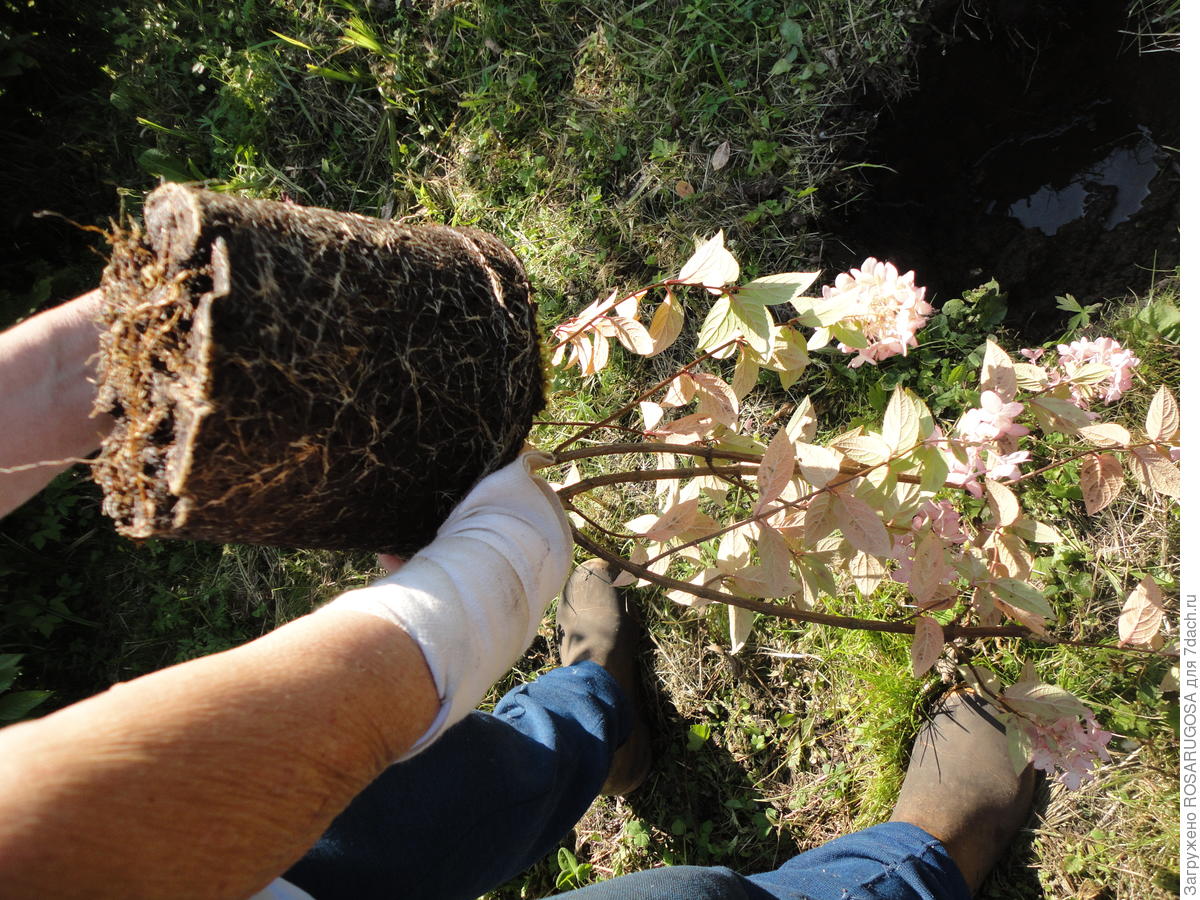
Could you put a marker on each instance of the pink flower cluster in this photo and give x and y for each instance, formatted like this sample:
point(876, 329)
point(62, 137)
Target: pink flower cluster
point(1072, 744)
point(982, 432)
point(944, 521)
point(890, 309)
point(1073, 356)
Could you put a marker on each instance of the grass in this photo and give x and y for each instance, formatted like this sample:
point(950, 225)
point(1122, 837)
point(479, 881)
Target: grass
point(575, 132)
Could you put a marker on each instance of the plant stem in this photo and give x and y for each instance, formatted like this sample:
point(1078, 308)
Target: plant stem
point(567, 492)
point(640, 397)
point(791, 612)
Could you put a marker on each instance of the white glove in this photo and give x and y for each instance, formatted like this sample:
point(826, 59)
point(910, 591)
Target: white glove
point(473, 599)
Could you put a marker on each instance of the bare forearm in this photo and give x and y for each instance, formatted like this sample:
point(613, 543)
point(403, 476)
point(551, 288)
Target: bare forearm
point(210, 778)
point(46, 394)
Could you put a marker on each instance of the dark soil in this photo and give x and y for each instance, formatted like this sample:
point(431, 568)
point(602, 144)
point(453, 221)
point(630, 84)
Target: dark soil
point(1038, 150)
point(297, 377)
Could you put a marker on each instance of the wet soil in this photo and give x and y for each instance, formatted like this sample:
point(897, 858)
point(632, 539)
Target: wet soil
point(1038, 150)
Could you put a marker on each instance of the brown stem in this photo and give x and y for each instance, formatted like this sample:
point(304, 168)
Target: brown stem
point(1062, 462)
point(567, 492)
point(707, 453)
point(538, 422)
point(640, 397)
point(571, 507)
point(788, 612)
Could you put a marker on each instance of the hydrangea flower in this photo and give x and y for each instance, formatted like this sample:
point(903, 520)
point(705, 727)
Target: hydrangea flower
point(890, 309)
point(1104, 351)
point(1073, 356)
point(992, 420)
point(943, 520)
point(1073, 745)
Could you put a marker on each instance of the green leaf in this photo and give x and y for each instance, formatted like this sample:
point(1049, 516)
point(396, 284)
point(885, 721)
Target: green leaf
point(791, 32)
point(1062, 414)
point(337, 75)
point(8, 669)
point(754, 324)
point(902, 421)
point(16, 706)
point(290, 40)
point(163, 166)
point(773, 290)
point(1037, 532)
point(851, 337)
point(1020, 746)
point(934, 468)
point(1090, 373)
point(1022, 596)
point(719, 325)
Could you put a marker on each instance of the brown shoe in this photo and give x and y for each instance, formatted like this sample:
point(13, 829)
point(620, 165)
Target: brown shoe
point(961, 788)
point(595, 623)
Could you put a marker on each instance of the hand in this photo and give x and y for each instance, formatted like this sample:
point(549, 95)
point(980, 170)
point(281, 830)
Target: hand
point(473, 599)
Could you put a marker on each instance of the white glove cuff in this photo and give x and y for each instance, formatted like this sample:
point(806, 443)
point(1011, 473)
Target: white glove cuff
point(473, 599)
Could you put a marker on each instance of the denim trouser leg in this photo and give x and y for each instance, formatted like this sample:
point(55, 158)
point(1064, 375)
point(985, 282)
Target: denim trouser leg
point(492, 796)
point(893, 861)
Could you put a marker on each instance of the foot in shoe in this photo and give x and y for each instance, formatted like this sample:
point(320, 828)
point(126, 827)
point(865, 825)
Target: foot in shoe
point(961, 788)
point(596, 624)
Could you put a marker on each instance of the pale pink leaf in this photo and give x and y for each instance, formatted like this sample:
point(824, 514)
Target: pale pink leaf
point(733, 553)
point(643, 523)
point(680, 391)
point(633, 335)
point(638, 557)
point(819, 518)
point(686, 430)
point(927, 644)
point(1106, 434)
point(1154, 467)
point(599, 358)
point(717, 399)
point(776, 469)
point(1003, 503)
point(997, 374)
point(1031, 620)
point(652, 414)
point(675, 520)
point(802, 426)
point(819, 465)
point(901, 421)
point(1100, 479)
point(700, 527)
point(869, 449)
point(929, 569)
point(1162, 419)
point(666, 324)
point(706, 578)
point(776, 562)
point(627, 308)
point(867, 571)
point(741, 622)
point(1010, 552)
point(1142, 615)
point(711, 265)
point(861, 525)
point(720, 157)
point(745, 374)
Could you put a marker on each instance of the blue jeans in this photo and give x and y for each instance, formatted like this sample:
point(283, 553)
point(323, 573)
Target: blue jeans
point(498, 791)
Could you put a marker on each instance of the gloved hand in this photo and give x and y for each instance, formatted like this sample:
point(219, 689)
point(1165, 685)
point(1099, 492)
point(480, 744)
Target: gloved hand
point(472, 599)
